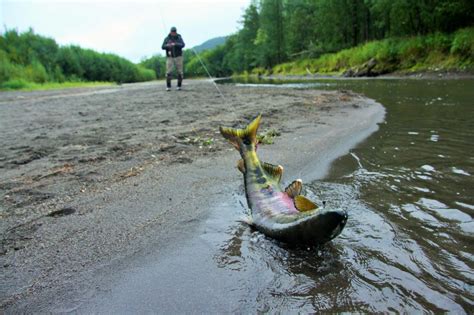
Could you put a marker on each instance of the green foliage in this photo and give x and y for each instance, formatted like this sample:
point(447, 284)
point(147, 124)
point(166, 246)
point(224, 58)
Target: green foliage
point(268, 137)
point(6, 67)
point(463, 43)
point(29, 86)
point(28, 57)
point(156, 63)
point(15, 84)
point(417, 53)
point(145, 74)
point(276, 36)
point(300, 37)
point(270, 39)
point(244, 42)
point(213, 60)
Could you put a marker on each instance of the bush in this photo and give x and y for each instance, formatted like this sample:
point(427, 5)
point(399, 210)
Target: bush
point(15, 84)
point(435, 51)
point(34, 58)
point(36, 73)
point(156, 63)
point(145, 74)
point(463, 43)
point(5, 67)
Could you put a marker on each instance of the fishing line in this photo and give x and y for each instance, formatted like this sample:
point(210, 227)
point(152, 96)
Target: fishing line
point(200, 60)
point(205, 68)
point(210, 77)
point(163, 21)
point(215, 84)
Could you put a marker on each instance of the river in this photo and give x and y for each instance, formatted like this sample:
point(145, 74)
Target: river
point(409, 190)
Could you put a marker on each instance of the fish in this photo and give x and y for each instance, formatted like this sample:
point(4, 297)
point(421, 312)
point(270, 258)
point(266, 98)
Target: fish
point(282, 214)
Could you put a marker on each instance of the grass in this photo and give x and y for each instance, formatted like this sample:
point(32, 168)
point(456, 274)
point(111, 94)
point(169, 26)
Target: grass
point(434, 52)
point(268, 137)
point(30, 86)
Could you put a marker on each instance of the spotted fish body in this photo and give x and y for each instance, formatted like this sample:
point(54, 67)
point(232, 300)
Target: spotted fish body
point(283, 214)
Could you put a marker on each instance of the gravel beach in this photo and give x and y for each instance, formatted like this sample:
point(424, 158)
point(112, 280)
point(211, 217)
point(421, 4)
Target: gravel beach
point(91, 179)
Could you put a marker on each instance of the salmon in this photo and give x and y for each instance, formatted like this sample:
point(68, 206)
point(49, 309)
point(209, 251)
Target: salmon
point(283, 214)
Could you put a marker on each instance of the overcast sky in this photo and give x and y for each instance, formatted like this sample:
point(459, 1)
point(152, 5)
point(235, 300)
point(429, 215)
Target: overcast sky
point(130, 28)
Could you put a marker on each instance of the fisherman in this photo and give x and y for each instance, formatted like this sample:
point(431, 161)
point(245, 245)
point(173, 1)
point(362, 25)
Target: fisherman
point(173, 44)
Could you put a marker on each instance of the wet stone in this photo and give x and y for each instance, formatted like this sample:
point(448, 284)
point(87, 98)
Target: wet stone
point(62, 212)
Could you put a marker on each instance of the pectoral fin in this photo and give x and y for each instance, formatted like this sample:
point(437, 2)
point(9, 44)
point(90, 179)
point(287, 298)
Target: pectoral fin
point(294, 189)
point(274, 171)
point(304, 204)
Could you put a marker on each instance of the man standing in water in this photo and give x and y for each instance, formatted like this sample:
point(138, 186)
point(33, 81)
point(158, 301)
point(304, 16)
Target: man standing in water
point(173, 44)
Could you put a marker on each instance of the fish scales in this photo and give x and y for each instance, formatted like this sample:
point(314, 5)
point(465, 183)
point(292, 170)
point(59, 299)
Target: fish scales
point(283, 214)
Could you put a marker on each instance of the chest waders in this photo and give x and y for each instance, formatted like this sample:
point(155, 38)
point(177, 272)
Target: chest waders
point(169, 74)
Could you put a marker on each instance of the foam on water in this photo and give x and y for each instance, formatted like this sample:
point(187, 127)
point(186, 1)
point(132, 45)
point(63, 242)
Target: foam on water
point(460, 171)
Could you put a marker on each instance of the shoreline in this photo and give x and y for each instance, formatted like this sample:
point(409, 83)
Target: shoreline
point(442, 75)
point(148, 194)
point(423, 75)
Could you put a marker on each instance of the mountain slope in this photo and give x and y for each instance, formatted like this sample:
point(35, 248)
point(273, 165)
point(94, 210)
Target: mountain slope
point(211, 43)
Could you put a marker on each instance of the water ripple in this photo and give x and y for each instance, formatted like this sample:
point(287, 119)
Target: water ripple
point(407, 246)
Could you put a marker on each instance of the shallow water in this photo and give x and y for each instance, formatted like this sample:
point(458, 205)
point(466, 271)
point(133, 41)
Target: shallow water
point(408, 244)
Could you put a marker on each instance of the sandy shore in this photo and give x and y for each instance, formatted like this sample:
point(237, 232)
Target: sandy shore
point(91, 179)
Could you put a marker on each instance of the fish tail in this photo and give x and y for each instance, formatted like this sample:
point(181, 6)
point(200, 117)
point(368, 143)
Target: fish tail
point(247, 135)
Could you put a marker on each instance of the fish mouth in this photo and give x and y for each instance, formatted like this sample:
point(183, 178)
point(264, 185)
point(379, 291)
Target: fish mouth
point(314, 230)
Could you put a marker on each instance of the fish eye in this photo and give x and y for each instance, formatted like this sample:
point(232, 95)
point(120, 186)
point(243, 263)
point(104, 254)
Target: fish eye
point(247, 141)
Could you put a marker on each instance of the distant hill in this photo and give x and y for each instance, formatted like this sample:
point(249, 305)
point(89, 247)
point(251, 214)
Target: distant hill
point(211, 43)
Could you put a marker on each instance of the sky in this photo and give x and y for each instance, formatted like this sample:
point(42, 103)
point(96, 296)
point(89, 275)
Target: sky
point(133, 29)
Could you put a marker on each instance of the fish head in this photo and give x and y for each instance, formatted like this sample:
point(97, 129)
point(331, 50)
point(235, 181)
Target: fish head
point(316, 229)
point(337, 220)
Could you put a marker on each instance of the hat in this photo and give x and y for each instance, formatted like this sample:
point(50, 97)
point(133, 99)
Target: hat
point(173, 29)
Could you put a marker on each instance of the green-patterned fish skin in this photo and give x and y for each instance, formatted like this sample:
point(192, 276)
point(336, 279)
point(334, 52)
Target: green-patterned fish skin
point(283, 214)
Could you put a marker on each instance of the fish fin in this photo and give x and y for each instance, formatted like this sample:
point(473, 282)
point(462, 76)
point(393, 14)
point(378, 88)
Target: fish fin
point(294, 189)
point(275, 171)
point(249, 133)
point(241, 166)
point(304, 204)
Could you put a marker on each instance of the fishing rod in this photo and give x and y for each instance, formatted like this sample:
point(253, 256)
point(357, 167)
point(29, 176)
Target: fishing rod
point(200, 60)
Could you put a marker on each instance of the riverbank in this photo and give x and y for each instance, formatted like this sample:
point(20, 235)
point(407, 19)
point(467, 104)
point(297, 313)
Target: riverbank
point(424, 75)
point(305, 75)
point(15, 85)
point(94, 180)
point(434, 53)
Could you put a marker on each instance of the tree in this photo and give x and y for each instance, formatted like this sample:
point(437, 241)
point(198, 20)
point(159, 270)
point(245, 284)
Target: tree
point(270, 37)
point(300, 32)
point(157, 63)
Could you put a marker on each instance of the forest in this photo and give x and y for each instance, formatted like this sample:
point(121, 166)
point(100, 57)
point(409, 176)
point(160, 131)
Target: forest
point(321, 36)
point(276, 36)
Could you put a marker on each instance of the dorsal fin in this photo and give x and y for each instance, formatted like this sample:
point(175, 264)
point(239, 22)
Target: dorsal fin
point(294, 189)
point(241, 166)
point(275, 171)
point(304, 204)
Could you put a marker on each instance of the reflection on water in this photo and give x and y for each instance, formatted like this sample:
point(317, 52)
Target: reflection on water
point(409, 192)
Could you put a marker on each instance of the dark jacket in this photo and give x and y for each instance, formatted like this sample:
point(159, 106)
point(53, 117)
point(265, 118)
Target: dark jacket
point(177, 49)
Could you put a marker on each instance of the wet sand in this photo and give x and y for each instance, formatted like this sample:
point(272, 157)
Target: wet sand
point(98, 183)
